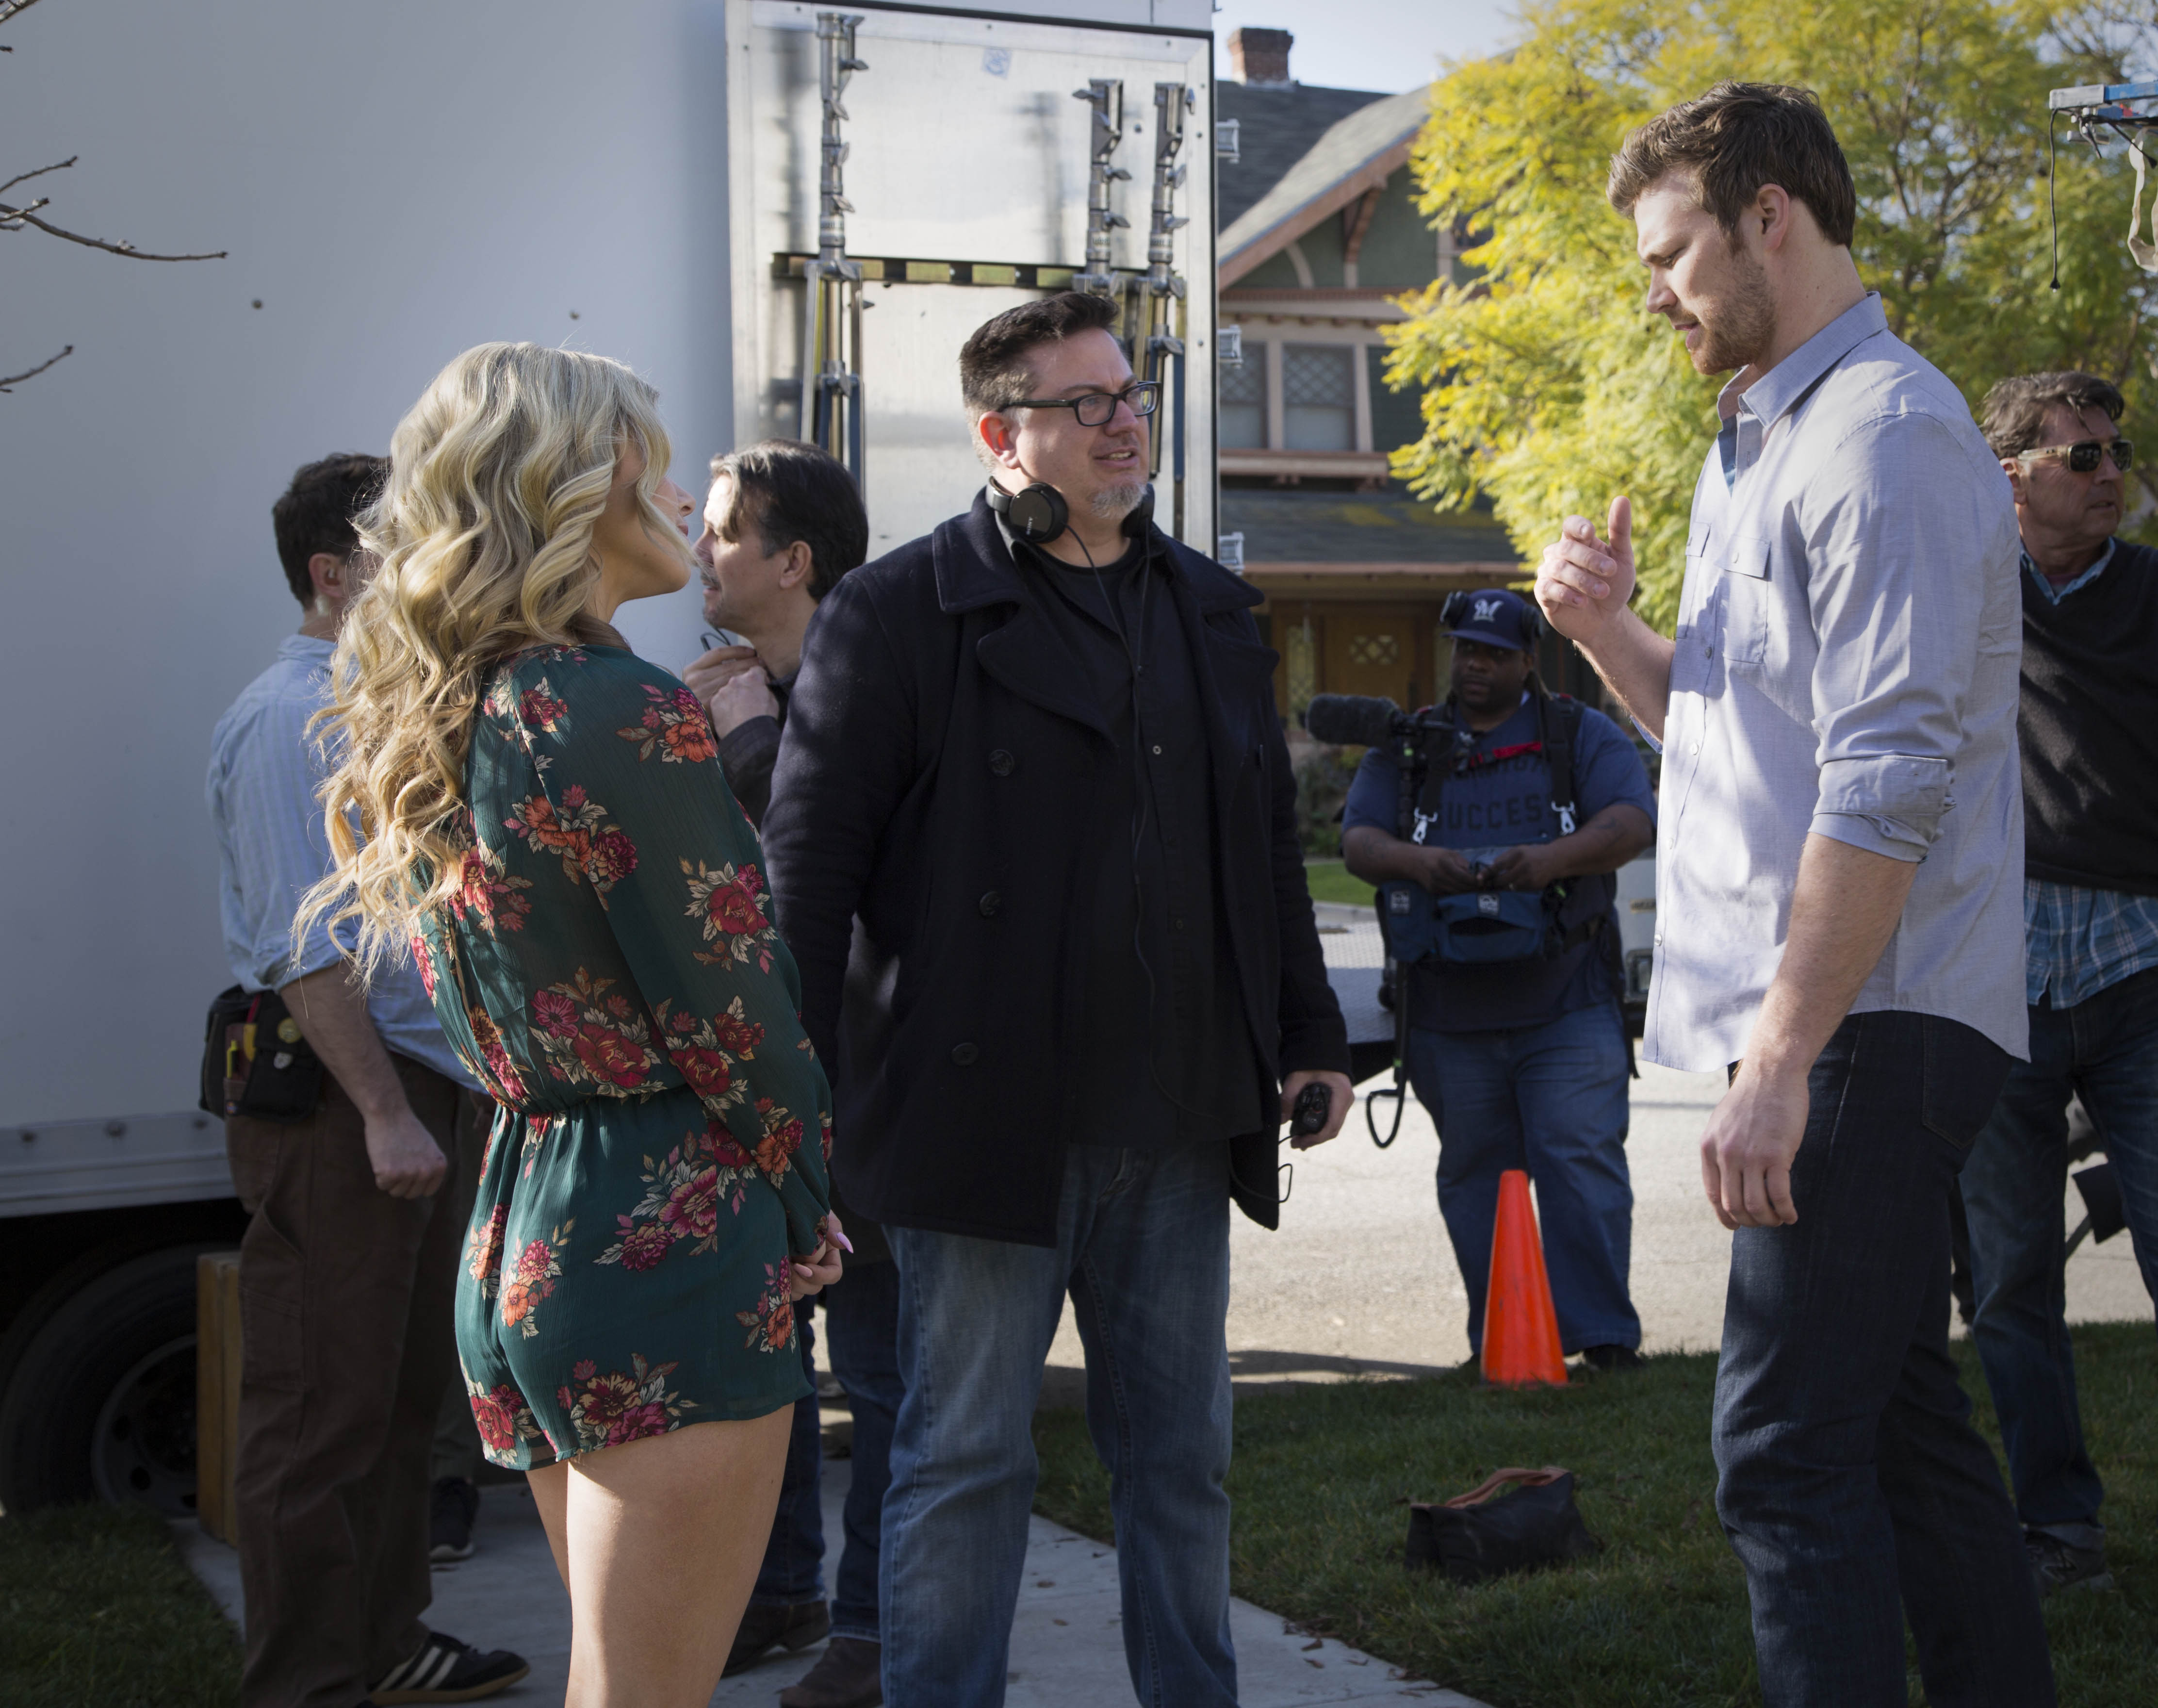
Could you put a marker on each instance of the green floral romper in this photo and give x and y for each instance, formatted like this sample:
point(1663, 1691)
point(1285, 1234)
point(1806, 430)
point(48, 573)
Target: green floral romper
point(608, 973)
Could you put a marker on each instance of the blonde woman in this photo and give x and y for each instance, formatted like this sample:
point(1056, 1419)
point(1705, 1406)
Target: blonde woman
point(540, 815)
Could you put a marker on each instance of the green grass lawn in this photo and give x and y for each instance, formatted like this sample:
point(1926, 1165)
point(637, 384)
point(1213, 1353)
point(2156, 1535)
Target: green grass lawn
point(98, 1610)
point(1329, 881)
point(1321, 1477)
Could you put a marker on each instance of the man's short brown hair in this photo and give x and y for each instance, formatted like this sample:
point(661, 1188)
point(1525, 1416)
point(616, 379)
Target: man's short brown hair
point(1733, 140)
point(994, 372)
point(315, 513)
point(2013, 416)
point(790, 490)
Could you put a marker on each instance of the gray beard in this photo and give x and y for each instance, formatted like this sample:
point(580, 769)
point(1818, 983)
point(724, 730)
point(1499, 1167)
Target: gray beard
point(1114, 503)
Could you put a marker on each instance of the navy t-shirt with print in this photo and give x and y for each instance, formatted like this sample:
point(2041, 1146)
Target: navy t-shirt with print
point(1502, 803)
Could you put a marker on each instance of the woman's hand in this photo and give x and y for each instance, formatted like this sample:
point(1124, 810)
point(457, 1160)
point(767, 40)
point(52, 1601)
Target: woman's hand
point(822, 1266)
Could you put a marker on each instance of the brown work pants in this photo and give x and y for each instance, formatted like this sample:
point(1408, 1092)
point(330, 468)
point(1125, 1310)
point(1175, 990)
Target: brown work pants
point(345, 1298)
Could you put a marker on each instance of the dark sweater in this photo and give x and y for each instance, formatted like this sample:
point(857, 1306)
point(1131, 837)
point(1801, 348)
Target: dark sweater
point(2089, 726)
point(749, 750)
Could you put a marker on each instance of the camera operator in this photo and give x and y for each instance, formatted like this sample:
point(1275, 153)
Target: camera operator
point(1522, 1062)
point(784, 522)
point(2087, 729)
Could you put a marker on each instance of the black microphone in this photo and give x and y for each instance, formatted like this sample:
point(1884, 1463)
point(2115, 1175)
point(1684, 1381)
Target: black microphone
point(1352, 719)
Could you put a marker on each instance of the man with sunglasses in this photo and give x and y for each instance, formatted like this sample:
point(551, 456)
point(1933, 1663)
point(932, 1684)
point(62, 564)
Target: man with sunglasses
point(1037, 756)
point(2089, 731)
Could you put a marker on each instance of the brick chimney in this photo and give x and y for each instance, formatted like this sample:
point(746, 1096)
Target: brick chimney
point(1260, 57)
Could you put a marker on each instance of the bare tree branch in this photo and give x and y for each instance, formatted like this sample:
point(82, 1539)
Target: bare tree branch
point(9, 215)
point(15, 379)
point(25, 177)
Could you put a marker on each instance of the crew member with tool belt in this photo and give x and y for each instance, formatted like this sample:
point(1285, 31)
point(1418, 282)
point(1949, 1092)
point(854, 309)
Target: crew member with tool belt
point(1494, 852)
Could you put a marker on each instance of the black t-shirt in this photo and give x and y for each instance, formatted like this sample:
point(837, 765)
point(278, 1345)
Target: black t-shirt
point(1166, 1054)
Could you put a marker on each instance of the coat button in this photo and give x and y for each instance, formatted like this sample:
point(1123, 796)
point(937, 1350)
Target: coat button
point(965, 1054)
point(1001, 763)
point(990, 903)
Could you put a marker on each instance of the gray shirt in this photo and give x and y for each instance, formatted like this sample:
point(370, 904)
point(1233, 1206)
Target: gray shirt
point(1846, 665)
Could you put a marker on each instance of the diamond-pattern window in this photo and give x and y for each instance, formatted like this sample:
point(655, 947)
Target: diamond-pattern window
point(1243, 424)
point(1374, 649)
point(1319, 397)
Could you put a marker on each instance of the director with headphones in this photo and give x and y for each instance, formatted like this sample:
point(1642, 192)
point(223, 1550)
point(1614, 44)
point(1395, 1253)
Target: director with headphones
point(1036, 754)
point(1515, 1043)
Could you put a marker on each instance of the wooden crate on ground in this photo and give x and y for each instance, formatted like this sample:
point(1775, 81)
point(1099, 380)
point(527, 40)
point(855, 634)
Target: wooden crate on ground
point(217, 1392)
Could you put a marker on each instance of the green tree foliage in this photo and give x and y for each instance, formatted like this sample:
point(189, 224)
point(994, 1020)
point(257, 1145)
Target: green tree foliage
point(1550, 387)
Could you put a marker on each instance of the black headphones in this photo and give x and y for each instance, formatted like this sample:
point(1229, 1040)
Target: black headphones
point(1038, 513)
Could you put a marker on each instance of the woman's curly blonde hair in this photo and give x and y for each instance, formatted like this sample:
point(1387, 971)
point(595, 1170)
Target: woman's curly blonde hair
point(483, 532)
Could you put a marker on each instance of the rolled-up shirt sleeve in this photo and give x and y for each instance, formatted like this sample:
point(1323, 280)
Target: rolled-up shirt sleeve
point(1893, 585)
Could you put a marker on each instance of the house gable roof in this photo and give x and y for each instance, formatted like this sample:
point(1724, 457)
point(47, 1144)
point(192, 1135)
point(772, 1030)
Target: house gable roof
point(1279, 125)
point(1355, 154)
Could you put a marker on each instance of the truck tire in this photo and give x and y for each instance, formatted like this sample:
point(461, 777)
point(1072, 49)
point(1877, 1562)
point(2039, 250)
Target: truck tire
point(101, 1397)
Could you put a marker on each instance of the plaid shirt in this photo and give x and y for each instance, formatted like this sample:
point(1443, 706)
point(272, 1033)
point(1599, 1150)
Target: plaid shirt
point(2077, 941)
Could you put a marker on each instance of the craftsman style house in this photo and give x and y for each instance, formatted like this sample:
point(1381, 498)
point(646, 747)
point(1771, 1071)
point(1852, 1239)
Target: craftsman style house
point(1319, 235)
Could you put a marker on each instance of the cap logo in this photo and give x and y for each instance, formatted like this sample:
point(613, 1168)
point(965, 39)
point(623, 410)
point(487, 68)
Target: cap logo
point(1486, 611)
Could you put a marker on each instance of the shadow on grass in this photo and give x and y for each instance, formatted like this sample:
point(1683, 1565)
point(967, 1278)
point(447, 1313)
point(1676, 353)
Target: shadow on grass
point(1322, 1477)
point(98, 1610)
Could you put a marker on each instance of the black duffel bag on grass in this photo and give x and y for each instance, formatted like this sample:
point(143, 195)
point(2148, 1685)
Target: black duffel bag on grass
point(1474, 1536)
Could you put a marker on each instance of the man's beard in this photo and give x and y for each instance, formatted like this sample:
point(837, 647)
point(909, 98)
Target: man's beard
point(1743, 325)
point(1114, 503)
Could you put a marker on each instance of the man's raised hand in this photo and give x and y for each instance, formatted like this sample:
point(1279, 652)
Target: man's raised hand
point(1583, 583)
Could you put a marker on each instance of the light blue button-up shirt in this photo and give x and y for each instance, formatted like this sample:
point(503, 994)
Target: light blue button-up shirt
point(265, 773)
point(1846, 659)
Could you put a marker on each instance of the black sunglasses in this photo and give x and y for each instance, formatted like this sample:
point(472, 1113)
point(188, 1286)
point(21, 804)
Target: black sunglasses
point(1097, 409)
point(2082, 455)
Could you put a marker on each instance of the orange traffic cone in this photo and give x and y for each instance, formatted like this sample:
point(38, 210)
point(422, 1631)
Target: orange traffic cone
point(1520, 1329)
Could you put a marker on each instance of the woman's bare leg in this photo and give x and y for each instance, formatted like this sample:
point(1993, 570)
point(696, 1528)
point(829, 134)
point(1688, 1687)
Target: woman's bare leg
point(665, 1536)
point(550, 1493)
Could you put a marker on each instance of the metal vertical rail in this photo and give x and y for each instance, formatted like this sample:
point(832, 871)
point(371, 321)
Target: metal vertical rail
point(1106, 97)
point(1164, 289)
point(832, 338)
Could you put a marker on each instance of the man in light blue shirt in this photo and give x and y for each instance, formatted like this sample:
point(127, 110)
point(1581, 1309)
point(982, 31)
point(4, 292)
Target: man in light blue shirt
point(349, 1266)
point(1839, 900)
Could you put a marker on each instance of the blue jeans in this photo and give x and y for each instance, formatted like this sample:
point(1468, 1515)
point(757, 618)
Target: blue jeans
point(2106, 1046)
point(1550, 1099)
point(1851, 1475)
point(793, 1571)
point(1143, 1248)
point(861, 1331)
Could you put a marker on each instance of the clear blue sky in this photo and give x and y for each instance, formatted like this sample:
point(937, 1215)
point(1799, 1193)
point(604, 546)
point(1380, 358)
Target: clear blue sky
point(1384, 44)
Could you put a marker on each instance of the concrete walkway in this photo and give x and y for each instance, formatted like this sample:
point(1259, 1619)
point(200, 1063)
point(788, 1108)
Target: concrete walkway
point(1066, 1651)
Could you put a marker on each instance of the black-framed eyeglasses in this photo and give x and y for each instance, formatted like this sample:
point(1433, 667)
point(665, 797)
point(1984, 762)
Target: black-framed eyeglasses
point(1097, 409)
point(2082, 455)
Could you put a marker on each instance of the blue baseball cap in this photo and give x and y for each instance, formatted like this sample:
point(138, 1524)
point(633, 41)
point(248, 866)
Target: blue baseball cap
point(1494, 616)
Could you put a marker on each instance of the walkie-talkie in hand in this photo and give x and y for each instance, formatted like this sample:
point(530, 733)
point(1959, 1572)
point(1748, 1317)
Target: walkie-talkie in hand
point(1313, 1104)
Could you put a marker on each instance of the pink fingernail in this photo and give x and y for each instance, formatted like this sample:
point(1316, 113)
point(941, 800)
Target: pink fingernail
point(843, 1242)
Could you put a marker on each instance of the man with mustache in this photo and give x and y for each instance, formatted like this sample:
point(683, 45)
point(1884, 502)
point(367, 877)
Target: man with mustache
point(2089, 740)
point(1037, 754)
point(1838, 899)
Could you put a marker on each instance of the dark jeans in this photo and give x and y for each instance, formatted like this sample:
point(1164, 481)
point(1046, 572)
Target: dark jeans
point(794, 1558)
point(1550, 1099)
point(2106, 1047)
point(861, 1329)
point(1849, 1470)
point(346, 1336)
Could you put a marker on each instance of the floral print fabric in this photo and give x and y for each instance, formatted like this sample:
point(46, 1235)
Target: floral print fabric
point(608, 969)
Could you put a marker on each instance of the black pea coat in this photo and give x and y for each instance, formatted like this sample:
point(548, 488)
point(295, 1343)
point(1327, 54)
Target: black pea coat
point(942, 778)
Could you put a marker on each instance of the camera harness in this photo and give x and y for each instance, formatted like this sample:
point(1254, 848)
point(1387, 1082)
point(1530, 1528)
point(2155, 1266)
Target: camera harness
point(1424, 769)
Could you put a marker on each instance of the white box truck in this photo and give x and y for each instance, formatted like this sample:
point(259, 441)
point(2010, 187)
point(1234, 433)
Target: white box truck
point(392, 184)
